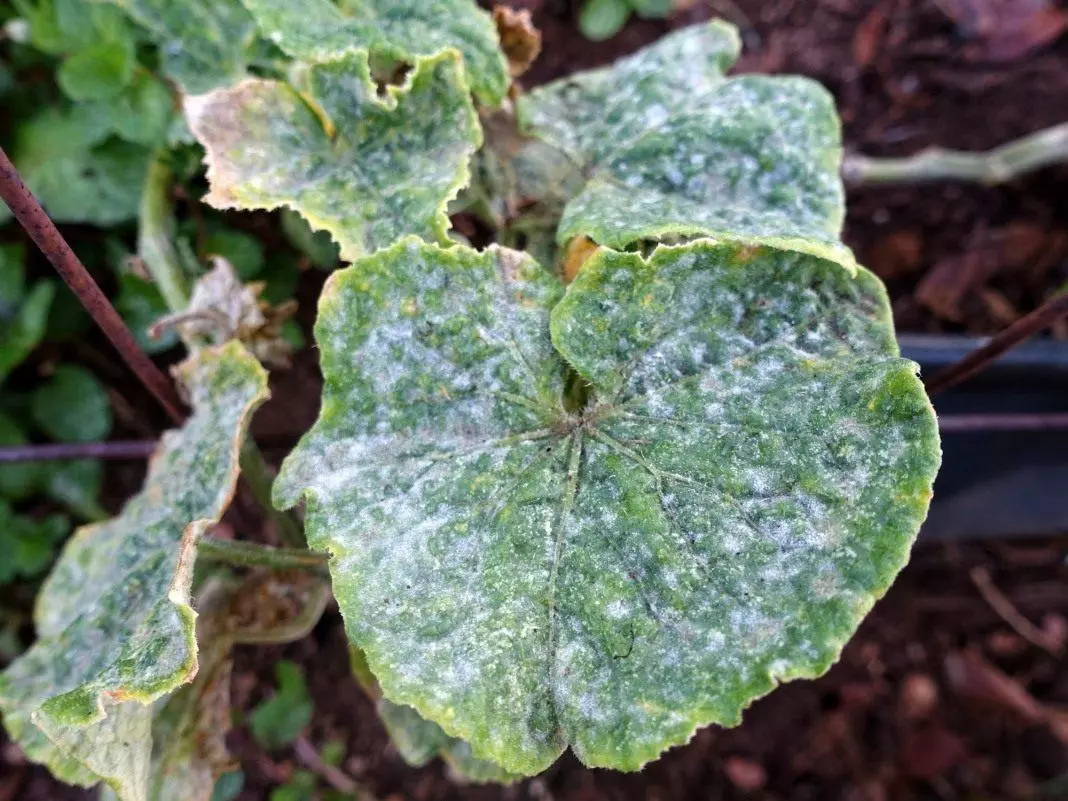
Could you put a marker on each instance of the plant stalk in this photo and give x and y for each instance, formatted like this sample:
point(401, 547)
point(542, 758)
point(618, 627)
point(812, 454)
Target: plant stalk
point(240, 553)
point(155, 236)
point(1004, 163)
point(48, 238)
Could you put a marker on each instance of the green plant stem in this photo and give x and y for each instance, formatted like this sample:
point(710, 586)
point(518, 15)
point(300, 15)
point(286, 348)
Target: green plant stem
point(1040, 149)
point(252, 554)
point(155, 236)
point(259, 478)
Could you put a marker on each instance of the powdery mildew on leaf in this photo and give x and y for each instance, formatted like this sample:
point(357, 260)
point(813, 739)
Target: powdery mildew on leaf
point(368, 169)
point(115, 629)
point(203, 44)
point(530, 569)
point(320, 30)
point(674, 149)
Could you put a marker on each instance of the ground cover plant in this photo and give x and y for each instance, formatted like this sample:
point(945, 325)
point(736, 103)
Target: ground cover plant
point(594, 483)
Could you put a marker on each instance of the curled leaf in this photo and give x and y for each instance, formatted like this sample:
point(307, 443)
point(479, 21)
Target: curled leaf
point(115, 628)
point(222, 308)
point(604, 518)
point(366, 168)
point(520, 40)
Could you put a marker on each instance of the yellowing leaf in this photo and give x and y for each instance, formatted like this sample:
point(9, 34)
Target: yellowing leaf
point(368, 169)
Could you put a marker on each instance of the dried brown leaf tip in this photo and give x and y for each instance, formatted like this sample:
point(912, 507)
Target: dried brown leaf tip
point(520, 40)
point(222, 308)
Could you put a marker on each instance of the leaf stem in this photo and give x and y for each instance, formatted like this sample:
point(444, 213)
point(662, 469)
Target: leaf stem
point(155, 236)
point(1029, 153)
point(240, 553)
point(48, 238)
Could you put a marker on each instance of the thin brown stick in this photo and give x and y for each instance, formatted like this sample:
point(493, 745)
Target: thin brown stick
point(982, 357)
point(116, 450)
point(1007, 611)
point(48, 238)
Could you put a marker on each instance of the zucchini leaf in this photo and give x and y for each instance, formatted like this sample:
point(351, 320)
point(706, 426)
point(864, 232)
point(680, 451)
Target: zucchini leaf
point(365, 168)
point(114, 625)
point(606, 517)
point(672, 149)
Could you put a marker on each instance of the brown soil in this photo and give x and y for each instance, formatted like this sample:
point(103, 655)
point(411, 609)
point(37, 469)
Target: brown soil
point(937, 697)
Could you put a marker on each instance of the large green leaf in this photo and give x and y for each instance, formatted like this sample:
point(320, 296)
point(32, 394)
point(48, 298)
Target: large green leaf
point(366, 168)
point(672, 149)
point(609, 558)
point(318, 30)
point(203, 44)
point(114, 625)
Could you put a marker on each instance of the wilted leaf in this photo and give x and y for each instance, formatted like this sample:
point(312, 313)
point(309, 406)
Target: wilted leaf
point(673, 149)
point(189, 730)
point(607, 559)
point(520, 40)
point(203, 44)
point(114, 625)
point(72, 406)
point(404, 30)
point(222, 308)
point(365, 168)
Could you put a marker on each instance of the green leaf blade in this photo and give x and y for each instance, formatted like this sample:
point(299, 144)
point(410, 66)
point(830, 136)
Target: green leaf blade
point(113, 619)
point(674, 150)
point(365, 169)
point(407, 30)
point(748, 476)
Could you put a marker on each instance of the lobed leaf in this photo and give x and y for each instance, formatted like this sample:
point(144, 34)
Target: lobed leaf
point(404, 30)
point(611, 554)
point(672, 149)
point(368, 169)
point(114, 625)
